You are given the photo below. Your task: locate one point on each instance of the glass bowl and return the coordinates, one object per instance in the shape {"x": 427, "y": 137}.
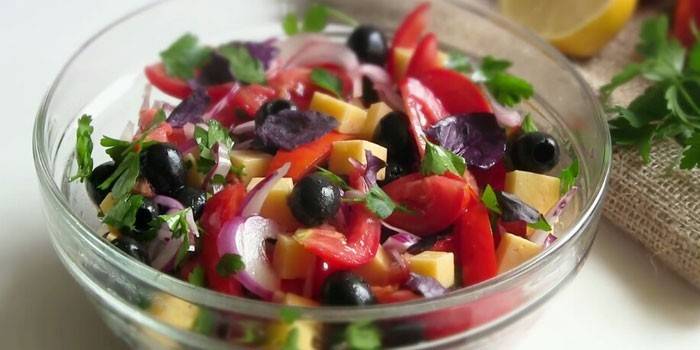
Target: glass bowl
{"x": 149, "y": 309}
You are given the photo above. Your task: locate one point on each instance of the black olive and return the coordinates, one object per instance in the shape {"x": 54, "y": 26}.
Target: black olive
{"x": 314, "y": 199}
{"x": 96, "y": 178}
{"x": 192, "y": 198}
{"x": 535, "y": 151}
{"x": 344, "y": 288}
{"x": 402, "y": 154}
{"x": 131, "y": 247}
{"x": 272, "y": 107}
{"x": 395, "y": 170}
{"x": 369, "y": 44}
{"x": 144, "y": 215}
{"x": 163, "y": 167}
{"x": 369, "y": 94}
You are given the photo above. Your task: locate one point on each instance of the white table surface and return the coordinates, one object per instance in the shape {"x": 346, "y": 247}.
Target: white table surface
{"x": 622, "y": 299}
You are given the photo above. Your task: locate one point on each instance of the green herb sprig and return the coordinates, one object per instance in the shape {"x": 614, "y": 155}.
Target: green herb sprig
{"x": 83, "y": 148}
{"x": 315, "y": 19}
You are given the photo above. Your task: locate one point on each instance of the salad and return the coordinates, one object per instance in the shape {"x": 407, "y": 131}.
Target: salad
{"x": 313, "y": 170}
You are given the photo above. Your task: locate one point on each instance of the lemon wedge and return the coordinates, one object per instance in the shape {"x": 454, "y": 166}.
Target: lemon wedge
{"x": 576, "y": 27}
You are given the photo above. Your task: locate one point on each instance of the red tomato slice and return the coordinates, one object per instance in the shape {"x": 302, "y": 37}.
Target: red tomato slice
{"x": 220, "y": 208}
{"x": 422, "y": 109}
{"x": 293, "y": 84}
{"x": 177, "y": 87}
{"x": 475, "y": 248}
{"x": 436, "y": 202}
{"x": 250, "y": 98}
{"x": 305, "y": 157}
{"x": 408, "y": 33}
{"x": 686, "y": 12}
{"x": 455, "y": 92}
{"x": 446, "y": 244}
{"x": 425, "y": 57}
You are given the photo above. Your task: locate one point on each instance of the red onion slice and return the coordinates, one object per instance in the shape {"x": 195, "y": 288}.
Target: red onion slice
{"x": 244, "y": 128}
{"x": 543, "y": 237}
{"x": 221, "y": 167}
{"x": 401, "y": 241}
{"x": 505, "y": 116}
{"x": 169, "y": 202}
{"x": 163, "y": 248}
{"x": 425, "y": 285}
{"x": 188, "y": 129}
{"x": 246, "y": 237}
{"x": 254, "y": 200}
{"x": 223, "y": 103}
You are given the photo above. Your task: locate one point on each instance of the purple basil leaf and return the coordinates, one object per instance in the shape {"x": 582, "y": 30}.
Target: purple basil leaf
{"x": 289, "y": 129}
{"x": 374, "y": 164}
{"x": 190, "y": 110}
{"x": 264, "y": 51}
{"x": 514, "y": 209}
{"x": 426, "y": 286}
{"x": 476, "y": 137}
{"x": 215, "y": 71}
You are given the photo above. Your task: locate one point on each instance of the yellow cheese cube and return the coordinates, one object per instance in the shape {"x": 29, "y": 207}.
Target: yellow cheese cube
{"x": 307, "y": 331}
{"x": 351, "y": 119}
{"x": 107, "y": 204}
{"x": 290, "y": 259}
{"x": 377, "y": 271}
{"x": 296, "y": 300}
{"x": 194, "y": 177}
{"x": 275, "y": 206}
{"x": 375, "y": 114}
{"x": 513, "y": 251}
{"x": 438, "y": 265}
{"x": 539, "y": 191}
{"x": 253, "y": 163}
{"x": 173, "y": 311}
{"x": 342, "y": 150}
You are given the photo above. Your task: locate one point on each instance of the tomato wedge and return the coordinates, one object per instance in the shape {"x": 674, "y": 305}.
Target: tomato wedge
{"x": 408, "y": 33}
{"x": 455, "y": 92}
{"x": 422, "y": 109}
{"x": 305, "y": 157}
{"x": 425, "y": 57}
{"x": 494, "y": 176}
{"x": 177, "y": 87}
{"x": 435, "y": 201}
{"x": 220, "y": 208}
{"x": 686, "y": 12}
{"x": 476, "y": 250}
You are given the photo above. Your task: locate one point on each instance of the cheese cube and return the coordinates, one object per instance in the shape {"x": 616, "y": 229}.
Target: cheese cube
{"x": 342, "y": 150}
{"x": 377, "y": 272}
{"x": 402, "y": 58}
{"x": 375, "y": 114}
{"x": 514, "y": 250}
{"x": 107, "y": 204}
{"x": 296, "y": 300}
{"x": 351, "y": 119}
{"x": 438, "y": 265}
{"x": 307, "y": 331}
{"x": 539, "y": 191}
{"x": 194, "y": 177}
{"x": 173, "y": 311}
{"x": 290, "y": 259}
{"x": 275, "y": 206}
{"x": 254, "y": 163}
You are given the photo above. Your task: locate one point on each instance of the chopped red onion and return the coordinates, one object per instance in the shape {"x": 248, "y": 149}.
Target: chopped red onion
{"x": 221, "y": 167}
{"x": 246, "y": 237}
{"x": 164, "y": 247}
{"x": 146, "y": 104}
{"x": 401, "y": 241}
{"x": 398, "y": 259}
{"x": 169, "y": 202}
{"x": 549, "y": 240}
{"x": 505, "y": 116}
{"x": 426, "y": 286}
{"x": 222, "y": 104}
{"x": 244, "y": 128}
{"x": 254, "y": 200}
{"x": 188, "y": 129}
{"x": 128, "y": 133}
{"x": 545, "y": 238}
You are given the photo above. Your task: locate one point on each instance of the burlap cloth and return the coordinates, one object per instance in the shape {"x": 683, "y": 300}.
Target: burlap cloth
{"x": 657, "y": 203}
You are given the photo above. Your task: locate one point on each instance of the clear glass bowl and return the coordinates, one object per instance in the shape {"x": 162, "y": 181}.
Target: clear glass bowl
{"x": 104, "y": 78}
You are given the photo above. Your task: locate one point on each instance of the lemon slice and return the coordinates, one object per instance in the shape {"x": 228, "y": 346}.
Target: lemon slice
{"x": 576, "y": 27}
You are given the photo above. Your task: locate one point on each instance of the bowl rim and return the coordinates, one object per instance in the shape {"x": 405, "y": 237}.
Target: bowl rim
{"x": 211, "y": 299}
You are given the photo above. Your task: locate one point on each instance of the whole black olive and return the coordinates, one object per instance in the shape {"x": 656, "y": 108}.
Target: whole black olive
{"x": 272, "y": 107}
{"x": 96, "y": 178}
{"x": 162, "y": 166}
{"x": 314, "y": 199}
{"x": 131, "y": 247}
{"x": 402, "y": 154}
{"x": 535, "y": 151}
{"x": 369, "y": 93}
{"x": 192, "y": 198}
{"x": 369, "y": 44}
{"x": 344, "y": 288}
{"x": 146, "y": 213}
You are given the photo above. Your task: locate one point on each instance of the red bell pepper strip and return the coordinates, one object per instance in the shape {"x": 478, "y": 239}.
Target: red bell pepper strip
{"x": 455, "y": 92}
{"x": 408, "y": 33}
{"x": 305, "y": 157}
{"x": 177, "y": 87}
{"x": 475, "y": 248}
{"x": 686, "y": 12}
{"x": 425, "y": 57}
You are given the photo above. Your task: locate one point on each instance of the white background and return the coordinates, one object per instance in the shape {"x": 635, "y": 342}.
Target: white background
{"x": 622, "y": 298}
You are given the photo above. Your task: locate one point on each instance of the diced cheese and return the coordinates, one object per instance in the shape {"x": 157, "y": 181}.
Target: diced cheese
{"x": 402, "y": 58}
{"x": 253, "y": 163}
{"x": 173, "y": 311}
{"x": 377, "y": 272}
{"x": 296, "y": 300}
{"x": 307, "y": 331}
{"x": 275, "y": 206}
{"x": 290, "y": 259}
{"x": 351, "y": 119}
{"x": 438, "y": 265}
{"x": 514, "y": 250}
{"x": 375, "y": 114}
{"x": 107, "y": 204}
{"x": 194, "y": 177}
{"x": 342, "y": 150}
{"x": 539, "y": 191}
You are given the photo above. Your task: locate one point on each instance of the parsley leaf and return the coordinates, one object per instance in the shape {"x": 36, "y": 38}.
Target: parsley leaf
{"x": 205, "y": 322}
{"x": 315, "y": 20}
{"x": 124, "y": 177}
{"x": 184, "y": 56}
{"x": 206, "y": 139}
{"x": 506, "y": 88}
{"x": 379, "y": 203}
{"x": 333, "y": 178}
{"x": 290, "y": 24}
{"x": 691, "y": 154}
{"x": 459, "y": 62}
{"x": 292, "y": 340}
{"x": 229, "y": 264}
{"x": 176, "y": 222}
{"x": 83, "y": 148}
{"x": 288, "y": 315}
{"x": 438, "y": 161}
{"x": 363, "y": 336}
{"x": 568, "y": 176}
{"x": 245, "y": 68}
{"x": 196, "y": 276}
{"x": 490, "y": 200}
{"x": 528, "y": 124}
{"x": 326, "y": 80}
{"x": 123, "y": 214}
{"x": 540, "y": 224}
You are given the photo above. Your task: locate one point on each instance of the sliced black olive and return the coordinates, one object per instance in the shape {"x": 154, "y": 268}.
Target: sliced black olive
{"x": 314, "y": 199}
{"x": 192, "y": 198}
{"x": 131, "y": 247}
{"x": 535, "y": 151}
{"x": 369, "y": 44}
{"x": 344, "y": 288}
{"x": 96, "y": 178}
{"x": 162, "y": 166}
